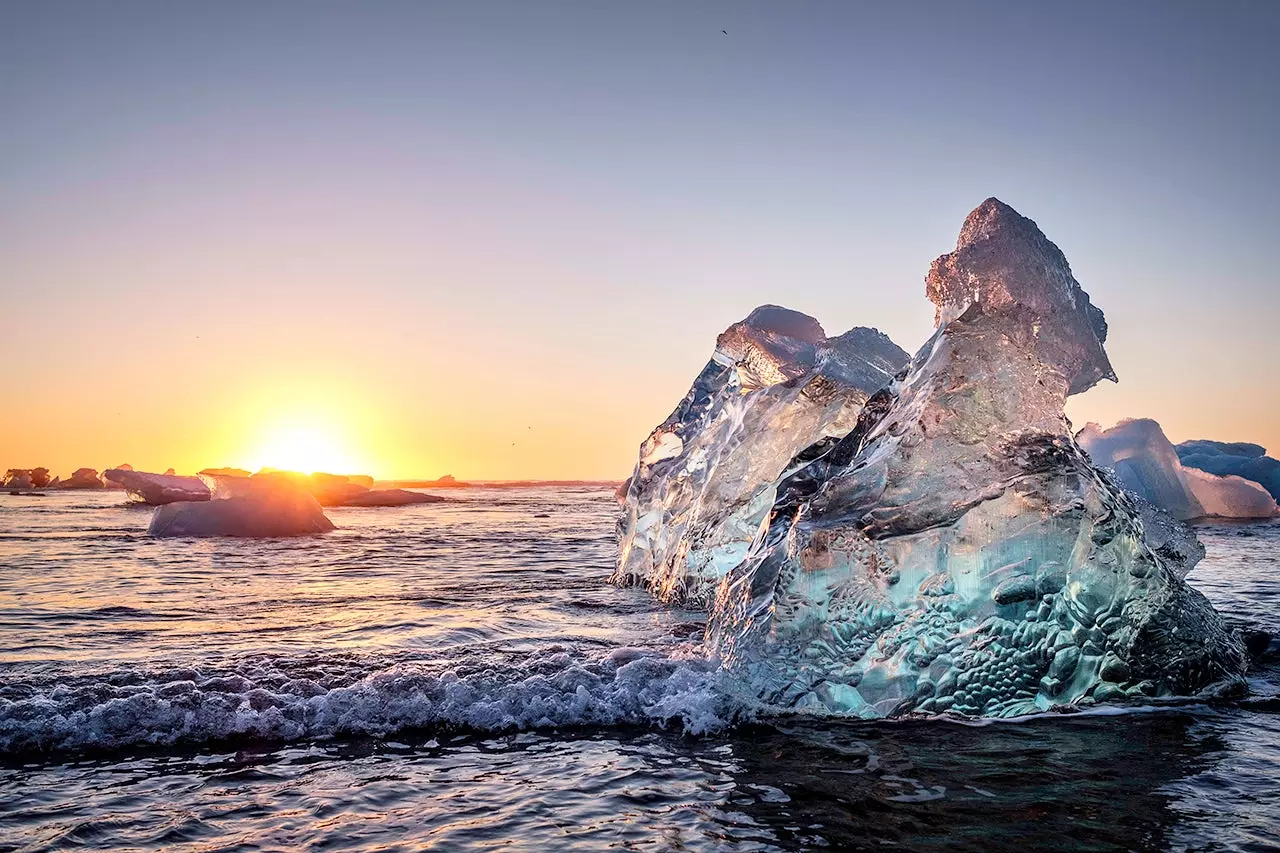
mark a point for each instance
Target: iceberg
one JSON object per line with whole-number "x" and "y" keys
{"x": 957, "y": 551}
{"x": 1239, "y": 459}
{"x": 1146, "y": 463}
{"x": 259, "y": 506}
{"x": 81, "y": 478}
{"x": 330, "y": 490}
{"x": 25, "y": 478}
{"x": 157, "y": 489}
{"x": 706, "y": 477}
{"x": 390, "y": 497}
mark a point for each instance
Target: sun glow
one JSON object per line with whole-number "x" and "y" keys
{"x": 306, "y": 445}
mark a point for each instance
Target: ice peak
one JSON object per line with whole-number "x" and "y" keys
{"x": 773, "y": 344}
{"x": 784, "y": 321}
{"x": 990, "y": 217}
{"x": 1005, "y": 265}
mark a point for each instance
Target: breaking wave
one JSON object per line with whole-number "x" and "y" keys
{"x": 550, "y": 688}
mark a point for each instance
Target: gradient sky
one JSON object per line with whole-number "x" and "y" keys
{"x": 499, "y": 240}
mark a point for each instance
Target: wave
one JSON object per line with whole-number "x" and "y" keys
{"x": 547, "y": 689}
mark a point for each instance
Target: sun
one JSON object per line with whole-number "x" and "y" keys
{"x": 305, "y": 444}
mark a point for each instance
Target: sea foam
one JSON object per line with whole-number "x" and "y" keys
{"x": 549, "y": 688}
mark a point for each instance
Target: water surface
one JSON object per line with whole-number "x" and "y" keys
{"x": 461, "y": 677}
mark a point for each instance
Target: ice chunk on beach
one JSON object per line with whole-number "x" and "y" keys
{"x": 1147, "y": 464}
{"x": 706, "y": 476}
{"x": 957, "y": 551}
{"x": 157, "y": 489}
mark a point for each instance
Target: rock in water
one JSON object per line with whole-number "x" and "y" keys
{"x": 957, "y": 551}
{"x": 707, "y": 475}
{"x": 1147, "y": 464}
{"x": 157, "y": 489}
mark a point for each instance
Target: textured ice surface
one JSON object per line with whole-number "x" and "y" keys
{"x": 1147, "y": 464}
{"x": 158, "y": 489}
{"x": 957, "y": 551}
{"x": 706, "y": 476}
{"x": 1233, "y": 458}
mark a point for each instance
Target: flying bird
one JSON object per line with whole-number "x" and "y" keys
{"x": 726, "y": 32}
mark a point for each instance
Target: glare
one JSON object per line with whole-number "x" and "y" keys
{"x": 307, "y": 445}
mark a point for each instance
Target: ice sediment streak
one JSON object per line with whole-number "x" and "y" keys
{"x": 957, "y": 551}
{"x": 706, "y": 476}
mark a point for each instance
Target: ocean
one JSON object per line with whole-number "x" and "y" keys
{"x": 460, "y": 676}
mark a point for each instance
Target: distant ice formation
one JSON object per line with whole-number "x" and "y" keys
{"x": 1147, "y": 464}
{"x": 82, "y": 478}
{"x": 21, "y": 479}
{"x": 330, "y": 490}
{"x": 390, "y": 497}
{"x": 955, "y": 550}
{"x": 271, "y": 506}
{"x": 1240, "y": 459}
{"x": 157, "y": 489}
{"x": 707, "y": 475}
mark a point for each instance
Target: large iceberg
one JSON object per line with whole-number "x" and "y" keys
{"x": 157, "y": 489}
{"x": 957, "y": 551}
{"x": 1147, "y": 464}
{"x": 707, "y": 475}
{"x": 1237, "y": 458}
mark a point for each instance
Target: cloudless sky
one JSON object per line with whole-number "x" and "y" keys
{"x": 499, "y": 239}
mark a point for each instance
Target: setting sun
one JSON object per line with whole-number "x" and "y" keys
{"x": 301, "y": 444}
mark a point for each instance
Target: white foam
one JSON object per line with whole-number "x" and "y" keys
{"x": 548, "y": 689}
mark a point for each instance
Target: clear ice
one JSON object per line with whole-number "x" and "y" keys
{"x": 955, "y": 551}
{"x": 707, "y": 475}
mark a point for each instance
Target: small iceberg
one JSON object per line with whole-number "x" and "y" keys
{"x": 157, "y": 489}
{"x": 255, "y": 507}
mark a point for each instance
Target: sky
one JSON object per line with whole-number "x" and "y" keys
{"x": 499, "y": 239}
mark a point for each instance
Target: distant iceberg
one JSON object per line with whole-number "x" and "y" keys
{"x": 21, "y": 479}
{"x": 256, "y": 507}
{"x": 157, "y": 489}
{"x": 330, "y": 490}
{"x": 1146, "y": 463}
{"x": 1240, "y": 459}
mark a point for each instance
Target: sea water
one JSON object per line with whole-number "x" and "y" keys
{"x": 460, "y": 676}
